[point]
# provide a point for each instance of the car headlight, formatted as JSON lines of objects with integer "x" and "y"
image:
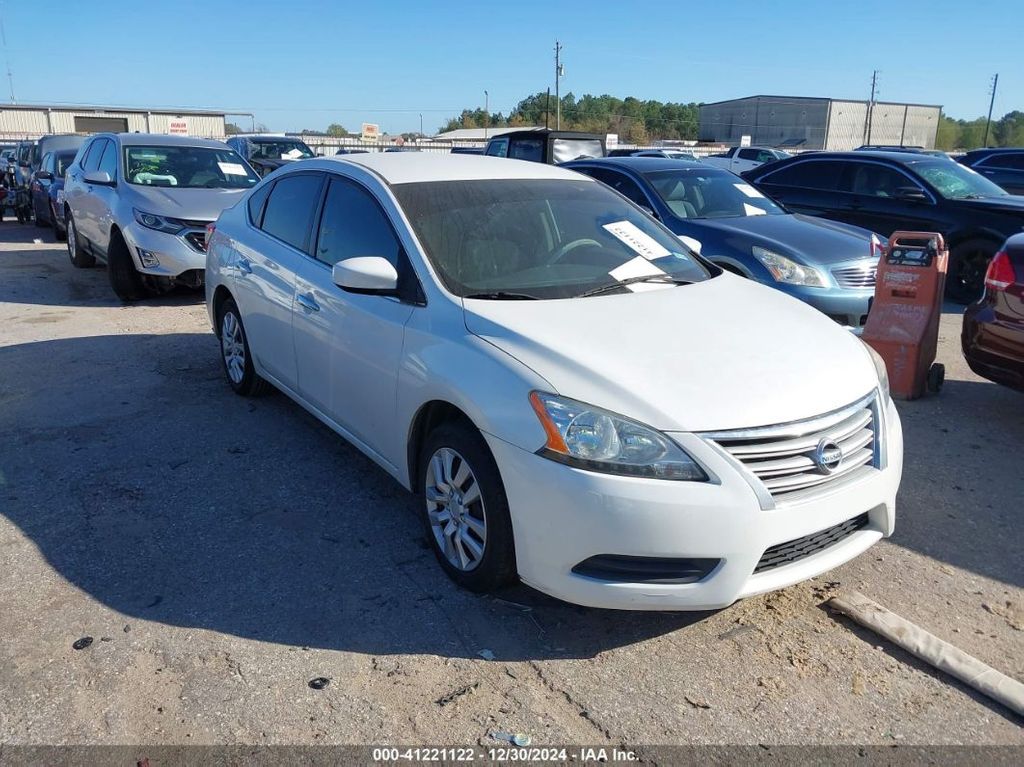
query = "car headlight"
{"x": 883, "y": 374}
{"x": 159, "y": 223}
{"x": 594, "y": 439}
{"x": 787, "y": 270}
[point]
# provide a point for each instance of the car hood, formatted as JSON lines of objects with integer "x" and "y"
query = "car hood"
{"x": 1011, "y": 203}
{"x": 725, "y": 353}
{"x": 813, "y": 240}
{"x": 191, "y": 204}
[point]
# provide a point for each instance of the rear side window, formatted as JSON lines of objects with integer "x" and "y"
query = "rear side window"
{"x": 256, "y": 201}
{"x": 620, "y": 183}
{"x": 808, "y": 174}
{"x": 353, "y": 225}
{"x": 1010, "y": 160}
{"x": 290, "y": 208}
{"x": 527, "y": 149}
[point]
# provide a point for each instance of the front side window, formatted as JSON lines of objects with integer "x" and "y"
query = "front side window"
{"x": 354, "y": 225}
{"x": 47, "y": 163}
{"x": 957, "y": 182}
{"x": 873, "y": 180}
{"x": 62, "y": 161}
{"x": 498, "y": 147}
{"x": 710, "y": 194}
{"x": 531, "y": 149}
{"x": 289, "y": 211}
{"x": 92, "y": 159}
{"x": 281, "y": 149}
{"x": 187, "y": 167}
{"x": 620, "y": 183}
{"x": 108, "y": 162}
{"x": 750, "y": 154}
{"x": 539, "y": 238}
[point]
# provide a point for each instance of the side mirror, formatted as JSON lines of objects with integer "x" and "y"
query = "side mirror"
{"x": 99, "y": 177}
{"x": 650, "y": 212}
{"x": 910, "y": 194}
{"x": 365, "y": 274}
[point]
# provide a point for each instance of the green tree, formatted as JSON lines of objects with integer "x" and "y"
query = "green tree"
{"x": 334, "y": 129}
{"x": 231, "y": 129}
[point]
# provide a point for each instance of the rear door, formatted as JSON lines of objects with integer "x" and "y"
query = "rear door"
{"x": 809, "y": 186}
{"x": 1005, "y": 169}
{"x": 270, "y": 256}
{"x": 874, "y": 196}
{"x": 348, "y": 345}
{"x": 746, "y": 159}
{"x": 84, "y": 204}
{"x": 104, "y": 198}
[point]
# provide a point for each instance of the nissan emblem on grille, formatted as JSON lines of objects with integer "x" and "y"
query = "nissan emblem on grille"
{"x": 827, "y": 456}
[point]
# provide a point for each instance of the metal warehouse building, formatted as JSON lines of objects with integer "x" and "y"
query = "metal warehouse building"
{"x": 816, "y": 123}
{"x": 28, "y": 121}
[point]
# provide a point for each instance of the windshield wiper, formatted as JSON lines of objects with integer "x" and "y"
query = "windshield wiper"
{"x": 503, "y": 295}
{"x": 631, "y": 280}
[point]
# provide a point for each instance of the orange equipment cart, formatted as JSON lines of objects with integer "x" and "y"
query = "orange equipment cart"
{"x": 903, "y": 323}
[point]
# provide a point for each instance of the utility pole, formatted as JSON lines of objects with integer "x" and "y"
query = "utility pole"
{"x": 559, "y": 72}
{"x": 7, "y": 58}
{"x": 421, "y": 124}
{"x": 547, "y": 108}
{"x": 869, "y": 115}
{"x": 988, "y": 122}
{"x": 487, "y": 113}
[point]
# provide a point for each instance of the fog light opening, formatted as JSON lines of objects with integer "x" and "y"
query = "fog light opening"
{"x": 148, "y": 259}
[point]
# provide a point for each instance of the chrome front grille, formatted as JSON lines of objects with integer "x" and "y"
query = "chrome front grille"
{"x": 801, "y": 459}
{"x": 859, "y": 277}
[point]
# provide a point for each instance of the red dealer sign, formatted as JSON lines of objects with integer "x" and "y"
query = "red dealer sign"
{"x": 178, "y": 127}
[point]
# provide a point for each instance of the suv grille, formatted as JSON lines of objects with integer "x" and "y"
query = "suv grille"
{"x": 804, "y": 458}
{"x": 793, "y": 551}
{"x": 856, "y": 277}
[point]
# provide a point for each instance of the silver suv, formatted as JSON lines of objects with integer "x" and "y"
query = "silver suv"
{"x": 142, "y": 203}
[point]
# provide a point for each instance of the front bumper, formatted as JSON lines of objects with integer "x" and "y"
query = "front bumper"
{"x": 846, "y": 306}
{"x": 174, "y": 254}
{"x": 562, "y": 516}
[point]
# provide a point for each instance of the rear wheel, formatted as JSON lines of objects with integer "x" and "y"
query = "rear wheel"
{"x": 967, "y": 264}
{"x": 79, "y": 258}
{"x": 124, "y": 277}
{"x": 234, "y": 353}
{"x": 466, "y": 512}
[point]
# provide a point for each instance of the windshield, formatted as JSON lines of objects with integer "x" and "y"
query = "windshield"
{"x": 64, "y": 159}
{"x": 187, "y": 167}
{"x": 710, "y": 194}
{"x": 540, "y": 238}
{"x": 957, "y": 182}
{"x": 283, "y": 149}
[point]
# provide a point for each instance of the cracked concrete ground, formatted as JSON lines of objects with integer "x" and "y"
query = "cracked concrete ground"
{"x": 223, "y": 552}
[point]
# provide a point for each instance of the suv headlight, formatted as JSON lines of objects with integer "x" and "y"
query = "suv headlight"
{"x": 159, "y": 223}
{"x": 883, "y": 374}
{"x": 594, "y": 439}
{"x": 787, "y": 270}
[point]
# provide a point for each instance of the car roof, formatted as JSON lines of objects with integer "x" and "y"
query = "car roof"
{"x": 162, "y": 139}
{"x": 903, "y": 158}
{"x": 412, "y": 167}
{"x": 645, "y": 164}
{"x": 996, "y": 150}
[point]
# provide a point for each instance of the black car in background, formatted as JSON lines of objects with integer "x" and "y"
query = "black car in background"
{"x": 268, "y": 153}
{"x": 547, "y": 146}
{"x": 889, "y": 191}
{"x": 47, "y": 190}
{"x": 1004, "y": 167}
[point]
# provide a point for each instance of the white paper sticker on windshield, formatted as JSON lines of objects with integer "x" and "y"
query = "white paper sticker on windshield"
{"x": 753, "y": 210}
{"x": 292, "y": 154}
{"x": 691, "y": 243}
{"x": 636, "y": 240}
{"x": 637, "y": 267}
{"x": 231, "y": 169}
{"x": 748, "y": 190}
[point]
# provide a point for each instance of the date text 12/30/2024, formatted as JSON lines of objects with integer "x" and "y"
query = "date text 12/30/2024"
{"x": 584, "y": 754}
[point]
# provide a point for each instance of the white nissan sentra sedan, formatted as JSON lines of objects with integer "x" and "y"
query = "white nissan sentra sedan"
{"x": 579, "y": 400}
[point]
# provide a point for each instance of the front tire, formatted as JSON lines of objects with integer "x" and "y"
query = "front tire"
{"x": 466, "y": 512}
{"x": 235, "y": 354}
{"x": 967, "y": 264}
{"x": 79, "y": 258}
{"x": 124, "y": 277}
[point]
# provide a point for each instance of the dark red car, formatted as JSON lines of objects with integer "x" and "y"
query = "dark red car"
{"x": 993, "y": 333}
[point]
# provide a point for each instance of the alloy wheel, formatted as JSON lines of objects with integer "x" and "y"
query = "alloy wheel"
{"x": 455, "y": 509}
{"x": 233, "y": 347}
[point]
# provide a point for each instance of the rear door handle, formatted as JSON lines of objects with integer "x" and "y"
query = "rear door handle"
{"x": 245, "y": 266}
{"x": 307, "y": 302}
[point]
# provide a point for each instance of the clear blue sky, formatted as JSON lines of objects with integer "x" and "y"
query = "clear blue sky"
{"x": 306, "y": 63}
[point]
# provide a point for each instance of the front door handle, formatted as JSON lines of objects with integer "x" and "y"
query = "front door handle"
{"x": 245, "y": 266}
{"x": 307, "y": 302}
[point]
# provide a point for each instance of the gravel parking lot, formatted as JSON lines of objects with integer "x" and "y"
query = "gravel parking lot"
{"x": 223, "y": 552}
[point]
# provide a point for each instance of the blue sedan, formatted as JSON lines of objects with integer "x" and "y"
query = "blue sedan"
{"x": 824, "y": 263}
